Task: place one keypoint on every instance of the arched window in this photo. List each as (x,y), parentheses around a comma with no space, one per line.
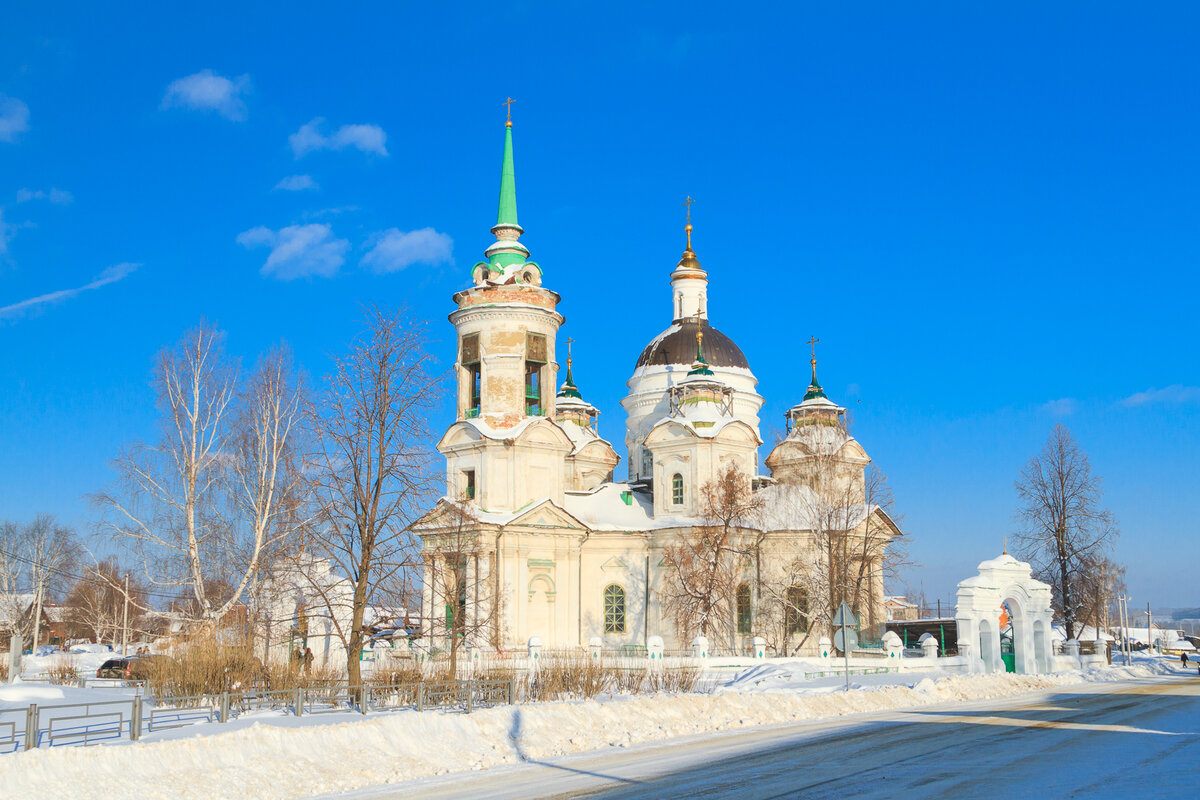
(796,614)
(744,619)
(614,609)
(677,489)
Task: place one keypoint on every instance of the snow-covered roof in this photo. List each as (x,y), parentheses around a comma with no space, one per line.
(823,440)
(796,507)
(604,509)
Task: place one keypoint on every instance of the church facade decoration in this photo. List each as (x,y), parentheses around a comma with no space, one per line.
(561,549)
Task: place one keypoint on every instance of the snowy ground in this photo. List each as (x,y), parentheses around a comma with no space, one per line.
(341,753)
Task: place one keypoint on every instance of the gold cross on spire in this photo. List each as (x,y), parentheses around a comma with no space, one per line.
(570,341)
(508,120)
(812,344)
(687,204)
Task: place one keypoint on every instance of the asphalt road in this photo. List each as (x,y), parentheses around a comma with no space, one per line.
(1104,740)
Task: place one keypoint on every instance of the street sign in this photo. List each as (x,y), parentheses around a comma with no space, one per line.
(844,618)
(846,639)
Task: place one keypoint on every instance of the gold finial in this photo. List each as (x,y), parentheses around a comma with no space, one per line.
(687,204)
(812,344)
(699,339)
(508,120)
(1005,545)
(570,341)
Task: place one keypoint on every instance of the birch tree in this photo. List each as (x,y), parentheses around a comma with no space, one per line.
(1063,527)
(198,509)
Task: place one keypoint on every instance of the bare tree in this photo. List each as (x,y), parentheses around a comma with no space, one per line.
(201,508)
(1063,526)
(703,569)
(1100,582)
(35,559)
(371,469)
(96,602)
(461,572)
(13,567)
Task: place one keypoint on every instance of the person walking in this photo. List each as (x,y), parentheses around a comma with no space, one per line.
(308,659)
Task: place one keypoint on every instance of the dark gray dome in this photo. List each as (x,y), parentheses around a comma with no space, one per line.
(677,345)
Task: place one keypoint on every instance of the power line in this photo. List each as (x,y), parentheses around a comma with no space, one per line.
(74,576)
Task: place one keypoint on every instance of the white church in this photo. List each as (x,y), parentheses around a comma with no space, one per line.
(536,538)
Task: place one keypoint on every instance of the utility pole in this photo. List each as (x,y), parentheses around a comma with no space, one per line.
(125,620)
(37,619)
(1149,633)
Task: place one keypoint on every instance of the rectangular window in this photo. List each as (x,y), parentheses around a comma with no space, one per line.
(536,356)
(469,484)
(796,613)
(677,490)
(614,609)
(744,618)
(469,358)
(533,389)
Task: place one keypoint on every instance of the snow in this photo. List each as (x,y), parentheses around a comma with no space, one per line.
(602,509)
(340,753)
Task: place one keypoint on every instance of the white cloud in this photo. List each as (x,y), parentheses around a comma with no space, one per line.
(298,251)
(1063,407)
(367,138)
(110,275)
(297,183)
(14,118)
(208,91)
(393,249)
(1172,395)
(59,197)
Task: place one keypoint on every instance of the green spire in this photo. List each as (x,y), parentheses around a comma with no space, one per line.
(569,389)
(507,214)
(814,388)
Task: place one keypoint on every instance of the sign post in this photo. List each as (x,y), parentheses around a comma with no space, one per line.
(845,635)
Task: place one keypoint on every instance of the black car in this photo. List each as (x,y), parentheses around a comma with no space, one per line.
(135,668)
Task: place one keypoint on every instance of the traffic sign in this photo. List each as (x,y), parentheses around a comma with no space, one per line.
(845,618)
(846,639)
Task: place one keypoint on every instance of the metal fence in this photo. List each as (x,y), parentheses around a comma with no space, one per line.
(34,726)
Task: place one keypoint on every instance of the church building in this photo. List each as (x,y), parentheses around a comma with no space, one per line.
(536,537)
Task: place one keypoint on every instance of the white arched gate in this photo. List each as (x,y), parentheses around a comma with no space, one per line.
(1004,600)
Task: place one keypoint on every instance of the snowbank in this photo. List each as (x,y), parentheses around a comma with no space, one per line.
(325,758)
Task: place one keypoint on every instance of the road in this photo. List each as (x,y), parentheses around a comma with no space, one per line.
(1103,740)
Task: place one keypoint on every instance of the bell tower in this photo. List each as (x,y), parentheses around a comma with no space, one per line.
(506,324)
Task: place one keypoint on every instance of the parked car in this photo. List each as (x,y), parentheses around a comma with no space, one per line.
(135,668)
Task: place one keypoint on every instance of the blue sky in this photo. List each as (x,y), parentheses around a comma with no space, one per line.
(988,218)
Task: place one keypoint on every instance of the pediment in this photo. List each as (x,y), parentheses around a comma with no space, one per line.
(738,431)
(547,515)
(544,432)
(615,564)
(599,450)
(445,517)
(460,433)
(669,430)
